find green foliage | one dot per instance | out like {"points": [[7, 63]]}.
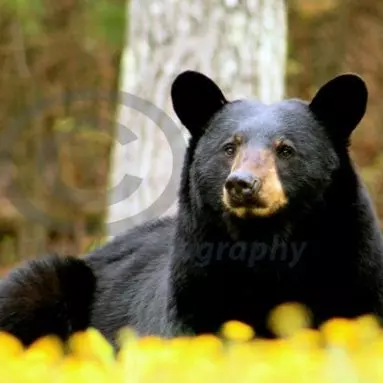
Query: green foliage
{"points": [[8, 250], [107, 21], [29, 14], [94, 245]]}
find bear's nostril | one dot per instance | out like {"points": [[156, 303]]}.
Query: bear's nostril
{"points": [[256, 185], [242, 184]]}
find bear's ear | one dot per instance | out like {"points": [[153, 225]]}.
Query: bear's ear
{"points": [[195, 99], [341, 104]]}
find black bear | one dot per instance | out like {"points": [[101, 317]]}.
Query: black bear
{"points": [[271, 210]]}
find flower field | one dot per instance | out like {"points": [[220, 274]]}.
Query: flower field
{"points": [[340, 351]]}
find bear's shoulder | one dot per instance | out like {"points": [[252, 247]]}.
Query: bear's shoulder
{"points": [[153, 236]]}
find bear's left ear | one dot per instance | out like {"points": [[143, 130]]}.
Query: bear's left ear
{"points": [[195, 99], [341, 104]]}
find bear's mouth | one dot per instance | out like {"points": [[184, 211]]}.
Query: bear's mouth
{"points": [[251, 202], [254, 206]]}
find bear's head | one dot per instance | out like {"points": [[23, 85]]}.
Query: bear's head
{"points": [[257, 160]]}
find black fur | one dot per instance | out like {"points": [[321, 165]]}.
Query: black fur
{"points": [[46, 296], [181, 274]]}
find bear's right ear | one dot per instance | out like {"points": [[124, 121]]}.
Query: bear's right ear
{"points": [[195, 99]]}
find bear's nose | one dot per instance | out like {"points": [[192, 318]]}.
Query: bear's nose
{"points": [[242, 184]]}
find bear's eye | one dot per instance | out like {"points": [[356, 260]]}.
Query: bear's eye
{"points": [[229, 149], [285, 151]]}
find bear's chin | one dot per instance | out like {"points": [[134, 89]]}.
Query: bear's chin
{"points": [[254, 211]]}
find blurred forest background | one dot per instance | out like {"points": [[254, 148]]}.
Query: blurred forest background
{"points": [[61, 68]]}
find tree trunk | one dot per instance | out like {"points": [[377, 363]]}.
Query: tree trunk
{"points": [[240, 44]]}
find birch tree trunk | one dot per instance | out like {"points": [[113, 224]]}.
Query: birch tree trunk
{"points": [[240, 44]]}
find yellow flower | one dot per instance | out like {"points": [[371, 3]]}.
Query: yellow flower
{"points": [[48, 349], [288, 318], [91, 344], [340, 332], [10, 347], [342, 350], [237, 331]]}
